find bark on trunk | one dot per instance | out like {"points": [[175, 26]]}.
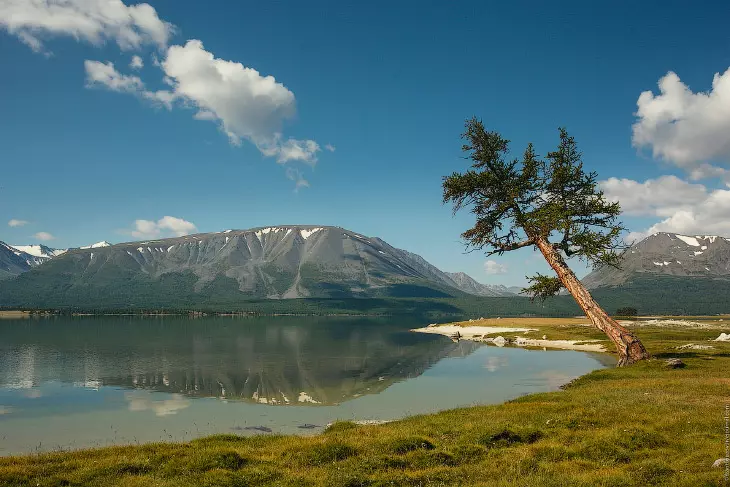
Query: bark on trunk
{"points": [[630, 349]]}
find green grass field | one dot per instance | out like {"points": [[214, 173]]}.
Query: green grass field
{"points": [[636, 426]]}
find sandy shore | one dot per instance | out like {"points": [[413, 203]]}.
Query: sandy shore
{"points": [[14, 314], [492, 334]]}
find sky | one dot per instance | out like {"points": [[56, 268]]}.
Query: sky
{"points": [[122, 121]]}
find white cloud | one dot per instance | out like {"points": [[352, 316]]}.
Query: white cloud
{"points": [[92, 21], [296, 176], [246, 105], [493, 267], [164, 227], [17, 223], [330, 147], [683, 207], [290, 150], [136, 62], [45, 236], [685, 128], [105, 75], [657, 197]]}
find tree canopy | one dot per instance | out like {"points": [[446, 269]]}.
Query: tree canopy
{"points": [[517, 201]]}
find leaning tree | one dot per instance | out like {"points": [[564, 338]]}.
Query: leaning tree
{"points": [[552, 205]]}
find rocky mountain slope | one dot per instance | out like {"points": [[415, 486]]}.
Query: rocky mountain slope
{"points": [[464, 282], [13, 261], [39, 251], [281, 262], [16, 259], [668, 254]]}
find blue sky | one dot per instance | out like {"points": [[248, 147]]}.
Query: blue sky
{"points": [[89, 148]]}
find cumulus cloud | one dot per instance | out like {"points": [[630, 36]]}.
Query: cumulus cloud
{"points": [[45, 236], [685, 128], [136, 62], [245, 104], [17, 223], [92, 21], [683, 207], [493, 267], [663, 196], [330, 147], [166, 226]]}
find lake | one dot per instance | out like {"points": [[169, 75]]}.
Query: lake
{"points": [[74, 382]]}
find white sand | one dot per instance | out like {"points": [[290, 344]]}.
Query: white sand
{"points": [[469, 332], [480, 334], [582, 345]]}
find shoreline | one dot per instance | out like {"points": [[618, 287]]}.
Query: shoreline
{"points": [[479, 333]]}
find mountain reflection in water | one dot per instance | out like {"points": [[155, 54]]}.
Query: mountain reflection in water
{"points": [[277, 361]]}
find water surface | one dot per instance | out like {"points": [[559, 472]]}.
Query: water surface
{"points": [[92, 381]]}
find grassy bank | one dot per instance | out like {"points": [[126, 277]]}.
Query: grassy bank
{"points": [[636, 426]]}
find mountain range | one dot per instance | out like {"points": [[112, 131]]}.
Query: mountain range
{"points": [[335, 269], [668, 254], [283, 262]]}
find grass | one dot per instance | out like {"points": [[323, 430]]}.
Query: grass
{"points": [[635, 426]]}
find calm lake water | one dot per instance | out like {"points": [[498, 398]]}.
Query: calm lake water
{"points": [[93, 381]]}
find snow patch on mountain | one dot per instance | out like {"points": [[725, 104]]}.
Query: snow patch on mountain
{"points": [[97, 245], [39, 251]]}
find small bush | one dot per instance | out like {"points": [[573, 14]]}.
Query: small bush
{"points": [[404, 445], [508, 437], [328, 453]]}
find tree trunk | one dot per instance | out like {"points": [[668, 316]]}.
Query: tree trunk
{"points": [[630, 349]]}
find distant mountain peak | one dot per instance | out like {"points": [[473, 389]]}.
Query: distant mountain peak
{"points": [[668, 254], [97, 245]]}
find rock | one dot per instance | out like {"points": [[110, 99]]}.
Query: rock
{"points": [[720, 462], [500, 341], [674, 363], [724, 337]]}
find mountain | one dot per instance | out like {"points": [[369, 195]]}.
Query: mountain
{"points": [[13, 261], [97, 245], [668, 254], [281, 262], [39, 251], [464, 282]]}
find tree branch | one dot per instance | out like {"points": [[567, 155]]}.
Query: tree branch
{"points": [[507, 248]]}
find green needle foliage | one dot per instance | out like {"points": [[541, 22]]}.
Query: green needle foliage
{"points": [[518, 201]]}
